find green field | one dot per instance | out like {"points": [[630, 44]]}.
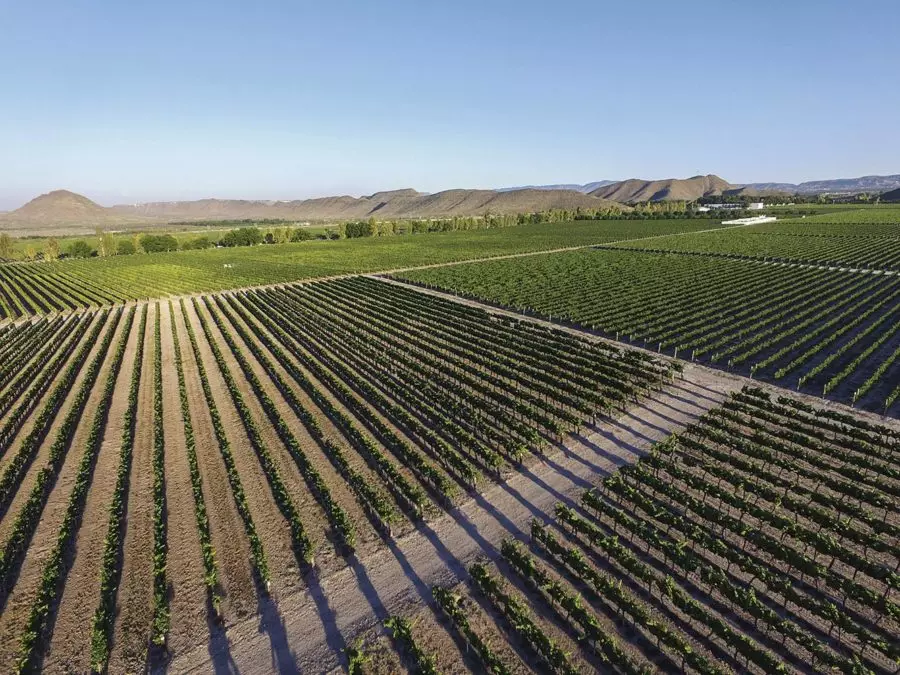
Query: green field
{"points": [[825, 209], [827, 332], [886, 215], [872, 244], [22, 245], [27, 288]]}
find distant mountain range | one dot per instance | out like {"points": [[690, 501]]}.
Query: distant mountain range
{"points": [[62, 211], [838, 185], [636, 190]]}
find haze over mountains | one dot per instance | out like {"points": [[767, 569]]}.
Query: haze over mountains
{"points": [[861, 184], [63, 211]]}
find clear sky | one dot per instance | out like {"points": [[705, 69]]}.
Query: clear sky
{"points": [[135, 101]]}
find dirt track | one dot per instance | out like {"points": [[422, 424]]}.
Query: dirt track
{"points": [[308, 630]]}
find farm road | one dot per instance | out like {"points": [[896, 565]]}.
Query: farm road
{"points": [[306, 631]]}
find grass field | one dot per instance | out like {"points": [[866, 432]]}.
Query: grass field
{"points": [[182, 234]]}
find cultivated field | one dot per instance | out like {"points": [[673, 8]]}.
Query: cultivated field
{"points": [[762, 539], [357, 472], [170, 465], [871, 243], [825, 331], [28, 288]]}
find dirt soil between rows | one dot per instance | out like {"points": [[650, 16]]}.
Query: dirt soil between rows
{"points": [[317, 624]]}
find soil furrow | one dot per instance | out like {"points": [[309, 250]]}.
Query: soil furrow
{"points": [[69, 648], [18, 604], [226, 529], [184, 564], [134, 602], [319, 622]]}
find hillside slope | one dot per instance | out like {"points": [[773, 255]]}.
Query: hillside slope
{"points": [[391, 204], [62, 208], [637, 190], [892, 196]]}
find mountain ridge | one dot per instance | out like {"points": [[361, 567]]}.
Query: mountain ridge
{"points": [[874, 183], [870, 183], [64, 208], [635, 190]]}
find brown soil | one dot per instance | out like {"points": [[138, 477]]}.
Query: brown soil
{"points": [[402, 526], [184, 558], [134, 601], [313, 517], [226, 528], [349, 601], [270, 524], [18, 605], [325, 556], [40, 459], [331, 431], [69, 646]]}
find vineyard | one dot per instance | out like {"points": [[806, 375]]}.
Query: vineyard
{"points": [[36, 288], [168, 466], [828, 333], [763, 539], [211, 468], [871, 243]]}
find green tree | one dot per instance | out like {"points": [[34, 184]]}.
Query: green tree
{"points": [[81, 249], [196, 244], [126, 247], [245, 236], [158, 243], [301, 234]]}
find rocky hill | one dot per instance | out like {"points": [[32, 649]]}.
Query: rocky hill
{"points": [[61, 210], [392, 204], [671, 189]]}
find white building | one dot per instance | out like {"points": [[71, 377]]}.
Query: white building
{"points": [[755, 206], [754, 220]]}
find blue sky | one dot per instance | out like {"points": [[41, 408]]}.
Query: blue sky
{"points": [[128, 101]]}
